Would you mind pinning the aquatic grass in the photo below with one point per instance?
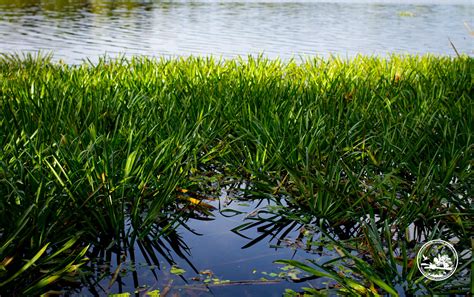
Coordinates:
(88, 148)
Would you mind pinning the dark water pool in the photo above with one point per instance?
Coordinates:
(212, 256)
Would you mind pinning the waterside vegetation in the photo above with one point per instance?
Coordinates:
(378, 146)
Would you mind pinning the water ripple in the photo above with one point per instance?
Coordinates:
(276, 28)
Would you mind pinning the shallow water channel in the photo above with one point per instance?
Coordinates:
(78, 30)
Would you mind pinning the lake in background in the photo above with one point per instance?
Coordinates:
(76, 30)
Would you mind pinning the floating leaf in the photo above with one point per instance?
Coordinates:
(154, 293)
(206, 272)
(176, 270)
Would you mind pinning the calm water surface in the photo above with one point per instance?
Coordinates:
(215, 260)
(76, 30)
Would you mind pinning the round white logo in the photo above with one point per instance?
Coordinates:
(437, 260)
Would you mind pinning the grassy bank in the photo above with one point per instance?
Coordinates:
(85, 148)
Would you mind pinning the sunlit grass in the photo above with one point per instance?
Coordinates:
(84, 148)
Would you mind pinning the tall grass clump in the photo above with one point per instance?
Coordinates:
(87, 148)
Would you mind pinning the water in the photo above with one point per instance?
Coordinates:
(77, 30)
(215, 260)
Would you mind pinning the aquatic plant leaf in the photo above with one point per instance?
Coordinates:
(27, 265)
(304, 267)
(154, 293)
(176, 270)
(373, 277)
(22, 222)
(129, 163)
(43, 282)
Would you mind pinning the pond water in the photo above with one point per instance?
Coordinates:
(227, 252)
(77, 30)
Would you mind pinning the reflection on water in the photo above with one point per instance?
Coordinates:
(75, 30)
(226, 245)
(202, 256)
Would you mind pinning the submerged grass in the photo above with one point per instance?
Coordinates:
(87, 147)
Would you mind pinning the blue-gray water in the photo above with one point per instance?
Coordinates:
(209, 253)
(76, 30)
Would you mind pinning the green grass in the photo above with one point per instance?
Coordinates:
(86, 147)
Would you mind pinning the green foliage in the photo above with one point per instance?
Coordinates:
(177, 271)
(87, 147)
